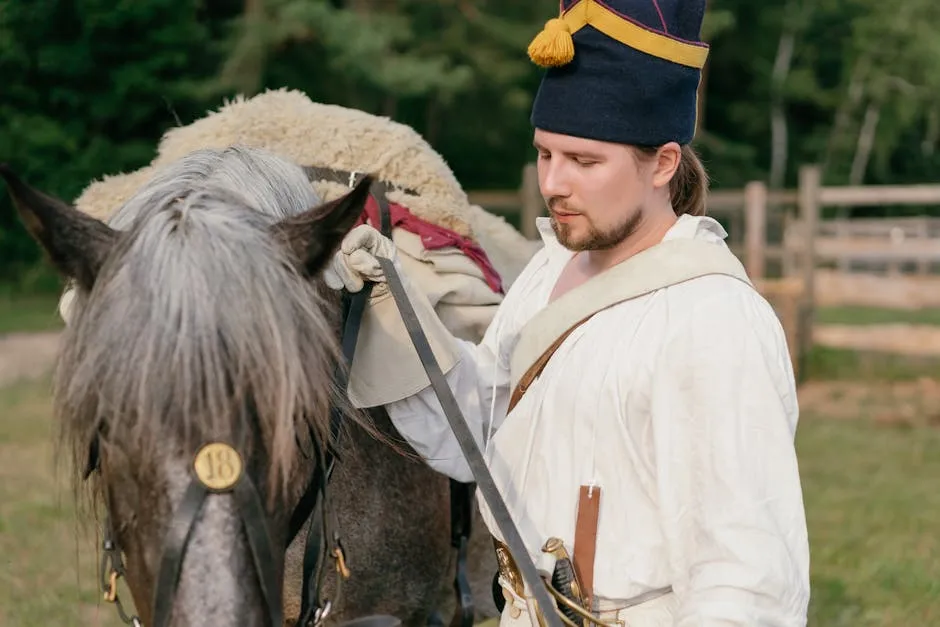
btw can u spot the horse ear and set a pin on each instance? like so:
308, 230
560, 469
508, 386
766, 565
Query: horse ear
313, 236
77, 244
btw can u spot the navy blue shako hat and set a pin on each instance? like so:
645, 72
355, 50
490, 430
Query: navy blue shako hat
624, 71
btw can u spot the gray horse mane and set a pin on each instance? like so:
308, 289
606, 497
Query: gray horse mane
199, 327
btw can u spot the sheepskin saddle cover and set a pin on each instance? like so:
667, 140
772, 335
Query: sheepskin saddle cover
326, 139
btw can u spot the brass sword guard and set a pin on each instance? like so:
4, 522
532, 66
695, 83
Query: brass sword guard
565, 582
556, 547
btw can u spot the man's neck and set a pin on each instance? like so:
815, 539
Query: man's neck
650, 232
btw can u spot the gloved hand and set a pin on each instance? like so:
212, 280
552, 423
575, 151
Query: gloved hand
386, 367
356, 261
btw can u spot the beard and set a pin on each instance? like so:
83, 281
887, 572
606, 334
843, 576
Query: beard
596, 239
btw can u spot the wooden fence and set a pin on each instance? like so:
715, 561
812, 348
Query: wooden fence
800, 260
527, 200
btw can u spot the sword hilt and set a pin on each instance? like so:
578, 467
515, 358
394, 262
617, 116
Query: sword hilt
565, 579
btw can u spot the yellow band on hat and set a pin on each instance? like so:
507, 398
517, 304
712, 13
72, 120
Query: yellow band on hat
615, 26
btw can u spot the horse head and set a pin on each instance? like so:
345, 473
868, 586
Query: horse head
199, 360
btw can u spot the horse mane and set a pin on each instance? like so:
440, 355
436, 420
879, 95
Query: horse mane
199, 328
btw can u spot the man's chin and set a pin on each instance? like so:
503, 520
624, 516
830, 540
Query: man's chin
572, 243
578, 241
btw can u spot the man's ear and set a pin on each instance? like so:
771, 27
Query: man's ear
313, 236
77, 244
666, 163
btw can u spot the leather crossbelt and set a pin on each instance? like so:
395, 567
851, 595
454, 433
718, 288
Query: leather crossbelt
468, 445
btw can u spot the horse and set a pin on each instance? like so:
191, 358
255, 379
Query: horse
199, 359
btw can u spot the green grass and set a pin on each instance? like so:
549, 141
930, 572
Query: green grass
824, 363
21, 312
873, 510
48, 567
871, 494
876, 315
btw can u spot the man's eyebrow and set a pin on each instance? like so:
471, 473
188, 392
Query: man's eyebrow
571, 154
584, 155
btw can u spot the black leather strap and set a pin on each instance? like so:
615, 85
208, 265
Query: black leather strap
354, 307
461, 516
180, 530
259, 539
468, 445
112, 566
311, 504
314, 549
174, 546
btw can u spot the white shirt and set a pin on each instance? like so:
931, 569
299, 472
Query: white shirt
681, 405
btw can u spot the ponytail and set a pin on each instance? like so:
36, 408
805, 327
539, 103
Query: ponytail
688, 188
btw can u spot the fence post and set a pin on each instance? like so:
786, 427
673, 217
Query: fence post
532, 202
808, 207
923, 234
755, 229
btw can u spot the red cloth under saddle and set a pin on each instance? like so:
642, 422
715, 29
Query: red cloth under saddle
433, 237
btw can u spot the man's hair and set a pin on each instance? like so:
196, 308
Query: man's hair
688, 188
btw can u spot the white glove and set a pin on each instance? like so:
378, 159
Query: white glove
356, 260
386, 367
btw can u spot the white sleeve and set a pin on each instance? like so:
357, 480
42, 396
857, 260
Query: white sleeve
479, 381
724, 414
480, 384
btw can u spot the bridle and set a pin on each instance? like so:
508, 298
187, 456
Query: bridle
313, 608
219, 469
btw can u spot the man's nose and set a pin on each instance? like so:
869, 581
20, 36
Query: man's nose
552, 180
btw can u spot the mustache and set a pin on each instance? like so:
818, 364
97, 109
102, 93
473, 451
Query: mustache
560, 205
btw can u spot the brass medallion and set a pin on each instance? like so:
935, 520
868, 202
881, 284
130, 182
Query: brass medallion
218, 466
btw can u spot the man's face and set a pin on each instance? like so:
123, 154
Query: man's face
595, 191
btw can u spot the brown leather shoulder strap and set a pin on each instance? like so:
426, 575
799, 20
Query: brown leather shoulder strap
589, 499
536, 369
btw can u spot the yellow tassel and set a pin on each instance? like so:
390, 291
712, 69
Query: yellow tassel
553, 46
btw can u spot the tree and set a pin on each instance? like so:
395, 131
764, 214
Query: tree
88, 90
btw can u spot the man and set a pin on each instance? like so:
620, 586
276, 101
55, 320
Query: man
659, 433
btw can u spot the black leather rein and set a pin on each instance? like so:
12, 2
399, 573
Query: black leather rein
458, 424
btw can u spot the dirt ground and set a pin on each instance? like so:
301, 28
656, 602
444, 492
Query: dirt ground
26, 355
29, 355
895, 402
